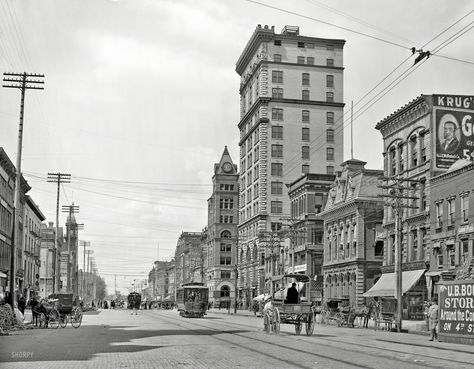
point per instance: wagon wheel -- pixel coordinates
(309, 326)
(63, 320)
(54, 317)
(42, 320)
(76, 318)
(266, 323)
(276, 321)
(298, 326)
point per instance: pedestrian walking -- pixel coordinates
(34, 310)
(433, 316)
(22, 304)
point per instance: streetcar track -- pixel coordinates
(397, 359)
(291, 363)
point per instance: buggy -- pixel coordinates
(338, 310)
(278, 311)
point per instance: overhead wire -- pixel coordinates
(327, 23)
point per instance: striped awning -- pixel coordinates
(385, 286)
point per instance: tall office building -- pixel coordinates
(291, 111)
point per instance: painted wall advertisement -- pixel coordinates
(457, 307)
(454, 129)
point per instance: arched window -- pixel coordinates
(225, 291)
(226, 234)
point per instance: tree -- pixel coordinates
(100, 288)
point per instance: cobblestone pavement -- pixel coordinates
(162, 339)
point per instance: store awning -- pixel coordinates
(385, 286)
(3, 275)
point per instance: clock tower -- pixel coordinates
(221, 241)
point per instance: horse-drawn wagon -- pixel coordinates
(280, 310)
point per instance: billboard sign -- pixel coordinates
(454, 129)
(457, 308)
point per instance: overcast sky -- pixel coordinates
(141, 96)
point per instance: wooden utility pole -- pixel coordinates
(57, 178)
(396, 197)
(23, 82)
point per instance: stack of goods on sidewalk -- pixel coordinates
(8, 320)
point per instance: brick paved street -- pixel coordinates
(162, 339)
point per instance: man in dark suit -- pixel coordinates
(450, 143)
(292, 295)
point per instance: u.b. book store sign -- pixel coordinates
(456, 309)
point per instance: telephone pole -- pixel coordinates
(396, 197)
(23, 82)
(57, 178)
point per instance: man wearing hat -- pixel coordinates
(433, 316)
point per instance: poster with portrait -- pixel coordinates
(454, 129)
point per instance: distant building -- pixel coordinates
(221, 233)
(188, 258)
(31, 251)
(50, 259)
(291, 109)
(304, 254)
(352, 220)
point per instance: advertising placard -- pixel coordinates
(457, 308)
(454, 129)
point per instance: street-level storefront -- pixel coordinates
(414, 291)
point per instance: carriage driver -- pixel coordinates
(292, 294)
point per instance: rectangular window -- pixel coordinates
(451, 211)
(277, 93)
(277, 169)
(277, 188)
(277, 76)
(277, 114)
(226, 247)
(439, 215)
(226, 187)
(276, 227)
(440, 260)
(329, 135)
(329, 153)
(310, 60)
(305, 116)
(225, 260)
(414, 151)
(225, 274)
(393, 162)
(305, 152)
(305, 169)
(277, 58)
(422, 148)
(300, 59)
(301, 44)
(330, 62)
(277, 132)
(330, 47)
(277, 42)
(277, 151)
(226, 203)
(329, 97)
(329, 80)
(277, 207)
(305, 134)
(330, 117)
(464, 209)
(305, 95)
(305, 79)
(329, 169)
(400, 155)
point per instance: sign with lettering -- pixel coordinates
(457, 307)
(453, 129)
